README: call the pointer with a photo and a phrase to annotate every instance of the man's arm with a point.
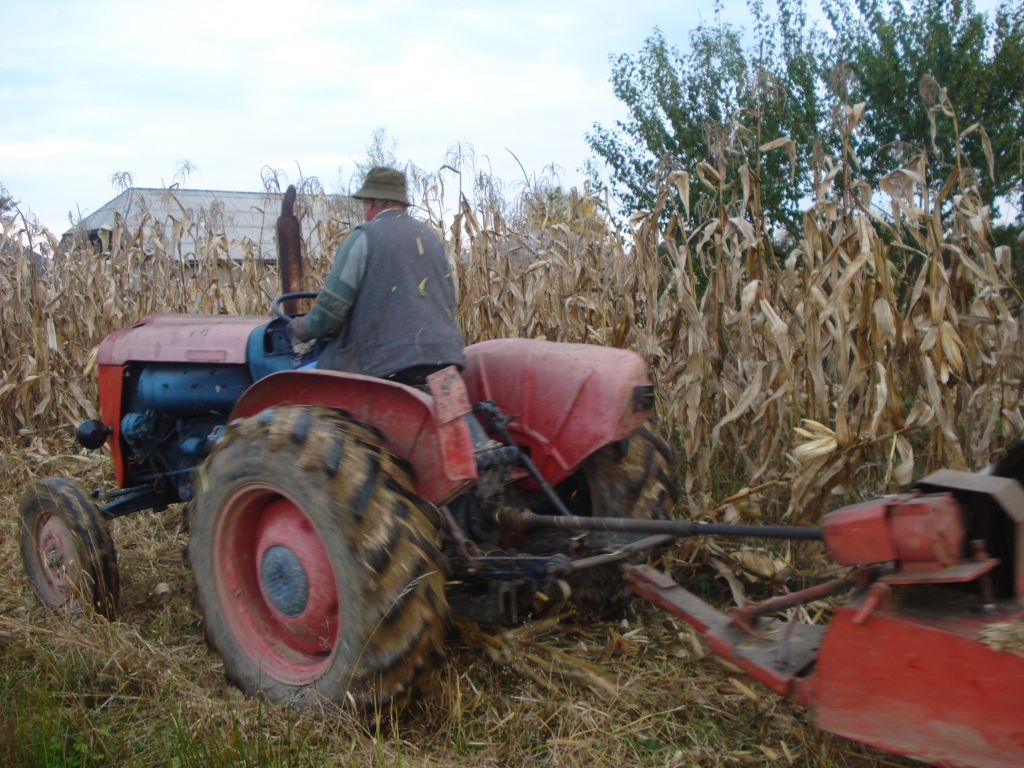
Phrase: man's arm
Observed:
(338, 294)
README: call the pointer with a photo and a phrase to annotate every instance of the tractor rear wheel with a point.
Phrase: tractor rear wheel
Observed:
(1011, 463)
(317, 569)
(66, 548)
(629, 478)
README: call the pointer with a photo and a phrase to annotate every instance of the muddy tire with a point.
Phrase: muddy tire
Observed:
(629, 478)
(317, 569)
(1011, 463)
(67, 550)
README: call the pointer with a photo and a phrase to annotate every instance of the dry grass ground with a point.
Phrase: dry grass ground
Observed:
(146, 691)
(790, 378)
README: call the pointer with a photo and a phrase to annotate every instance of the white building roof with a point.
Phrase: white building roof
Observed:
(239, 216)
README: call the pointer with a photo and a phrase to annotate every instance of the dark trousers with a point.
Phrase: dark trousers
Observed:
(416, 376)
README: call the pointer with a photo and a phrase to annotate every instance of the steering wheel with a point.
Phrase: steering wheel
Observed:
(275, 305)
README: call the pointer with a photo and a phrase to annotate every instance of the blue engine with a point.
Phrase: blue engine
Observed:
(173, 411)
(183, 389)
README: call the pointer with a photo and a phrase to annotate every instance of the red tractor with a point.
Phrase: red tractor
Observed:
(335, 519)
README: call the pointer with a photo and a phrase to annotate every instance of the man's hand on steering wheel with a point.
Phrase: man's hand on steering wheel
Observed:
(298, 328)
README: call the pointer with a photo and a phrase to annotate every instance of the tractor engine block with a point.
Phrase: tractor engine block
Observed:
(172, 413)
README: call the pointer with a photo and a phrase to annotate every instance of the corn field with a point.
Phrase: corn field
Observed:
(879, 346)
(791, 377)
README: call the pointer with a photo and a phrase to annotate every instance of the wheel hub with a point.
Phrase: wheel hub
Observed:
(277, 584)
(284, 581)
(57, 553)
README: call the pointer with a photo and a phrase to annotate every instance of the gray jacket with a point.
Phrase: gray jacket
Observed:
(404, 309)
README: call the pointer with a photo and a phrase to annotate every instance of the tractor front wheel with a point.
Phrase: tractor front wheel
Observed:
(317, 569)
(66, 548)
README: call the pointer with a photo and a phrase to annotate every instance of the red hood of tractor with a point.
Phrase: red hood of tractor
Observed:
(180, 339)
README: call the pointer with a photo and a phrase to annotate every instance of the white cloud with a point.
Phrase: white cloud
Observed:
(91, 87)
(30, 151)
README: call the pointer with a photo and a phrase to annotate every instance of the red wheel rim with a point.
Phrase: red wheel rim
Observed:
(275, 584)
(59, 560)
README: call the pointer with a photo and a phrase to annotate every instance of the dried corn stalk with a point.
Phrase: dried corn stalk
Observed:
(849, 364)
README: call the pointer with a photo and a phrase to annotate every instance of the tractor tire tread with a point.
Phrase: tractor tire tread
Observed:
(398, 618)
(91, 532)
(632, 483)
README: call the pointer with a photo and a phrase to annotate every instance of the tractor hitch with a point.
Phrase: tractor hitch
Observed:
(542, 568)
(498, 422)
(537, 568)
(520, 520)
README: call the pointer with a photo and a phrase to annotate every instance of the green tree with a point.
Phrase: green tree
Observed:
(380, 151)
(908, 61)
(7, 203)
(720, 103)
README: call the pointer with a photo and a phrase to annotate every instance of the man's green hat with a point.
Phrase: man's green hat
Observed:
(383, 184)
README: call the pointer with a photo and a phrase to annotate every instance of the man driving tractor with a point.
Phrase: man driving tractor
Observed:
(387, 307)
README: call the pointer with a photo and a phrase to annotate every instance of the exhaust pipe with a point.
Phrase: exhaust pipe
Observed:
(289, 251)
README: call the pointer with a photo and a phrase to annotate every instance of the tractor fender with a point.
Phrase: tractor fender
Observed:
(565, 401)
(427, 432)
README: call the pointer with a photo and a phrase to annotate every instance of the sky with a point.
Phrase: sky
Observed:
(90, 89)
